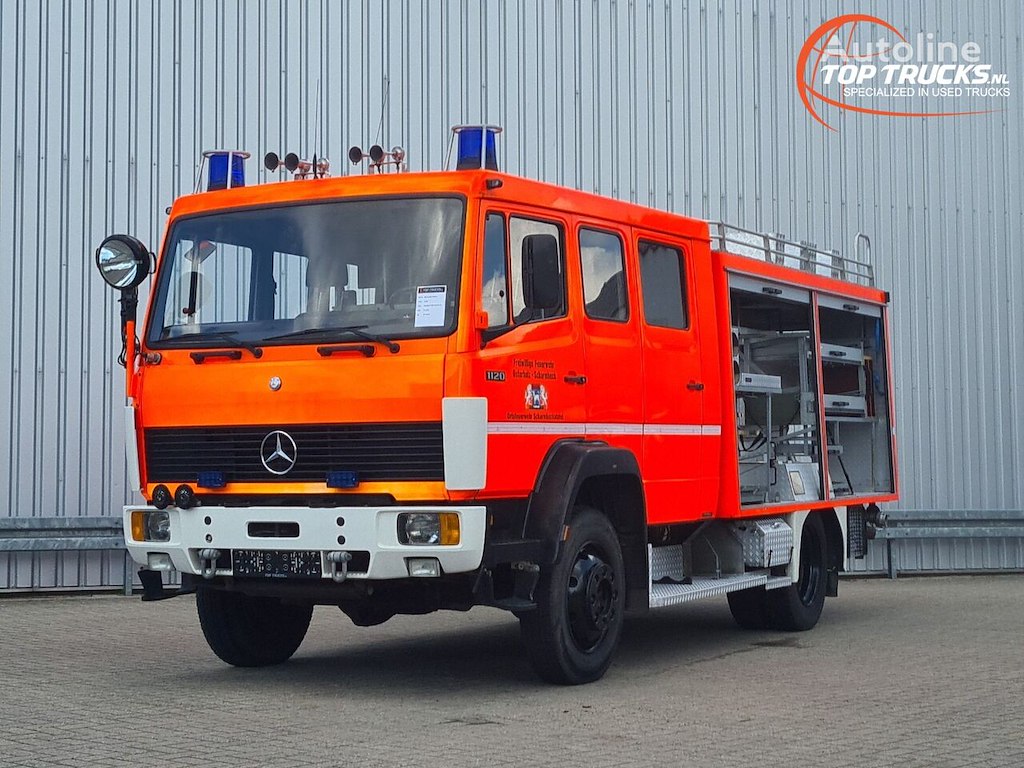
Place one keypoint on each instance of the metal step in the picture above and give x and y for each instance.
(663, 595)
(667, 563)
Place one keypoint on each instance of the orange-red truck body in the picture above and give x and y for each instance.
(665, 395)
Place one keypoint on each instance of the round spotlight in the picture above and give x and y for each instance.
(377, 153)
(184, 497)
(123, 261)
(398, 153)
(161, 497)
(291, 161)
(355, 155)
(271, 161)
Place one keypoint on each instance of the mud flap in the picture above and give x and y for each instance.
(832, 582)
(153, 586)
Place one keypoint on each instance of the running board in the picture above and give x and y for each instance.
(668, 586)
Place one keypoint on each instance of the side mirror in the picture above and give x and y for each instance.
(123, 262)
(542, 280)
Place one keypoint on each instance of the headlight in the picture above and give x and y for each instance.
(151, 526)
(426, 528)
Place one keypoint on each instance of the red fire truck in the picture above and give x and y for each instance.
(401, 392)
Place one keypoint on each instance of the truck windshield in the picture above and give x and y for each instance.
(388, 267)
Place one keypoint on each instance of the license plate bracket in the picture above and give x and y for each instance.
(277, 563)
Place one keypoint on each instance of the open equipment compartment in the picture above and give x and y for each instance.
(855, 393)
(776, 392)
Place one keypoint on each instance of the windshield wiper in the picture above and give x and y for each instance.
(228, 337)
(355, 330)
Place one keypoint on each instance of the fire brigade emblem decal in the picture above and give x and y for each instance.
(278, 452)
(536, 397)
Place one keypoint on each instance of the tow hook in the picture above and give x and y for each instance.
(208, 562)
(336, 559)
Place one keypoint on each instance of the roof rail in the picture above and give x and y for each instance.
(777, 249)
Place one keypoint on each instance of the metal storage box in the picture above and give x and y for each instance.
(766, 543)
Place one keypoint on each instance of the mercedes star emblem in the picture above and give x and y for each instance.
(275, 383)
(278, 452)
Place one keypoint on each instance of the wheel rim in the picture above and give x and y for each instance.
(592, 596)
(810, 566)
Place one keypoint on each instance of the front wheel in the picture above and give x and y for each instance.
(571, 635)
(247, 631)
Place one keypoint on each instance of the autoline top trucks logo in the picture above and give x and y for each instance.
(863, 64)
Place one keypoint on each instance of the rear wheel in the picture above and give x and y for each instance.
(798, 606)
(247, 631)
(749, 608)
(571, 635)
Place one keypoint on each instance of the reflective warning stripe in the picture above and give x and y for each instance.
(580, 428)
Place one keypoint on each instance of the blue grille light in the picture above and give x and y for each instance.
(211, 479)
(342, 480)
(219, 162)
(476, 147)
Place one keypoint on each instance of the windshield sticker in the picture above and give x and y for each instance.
(430, 301)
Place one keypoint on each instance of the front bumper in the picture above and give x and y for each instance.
(362, 529)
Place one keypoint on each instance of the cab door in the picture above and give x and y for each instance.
(611, 337)
(531, 363)
(673, 382)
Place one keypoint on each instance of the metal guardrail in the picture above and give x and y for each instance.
(777, 249)
(902, 524)
(66, 534)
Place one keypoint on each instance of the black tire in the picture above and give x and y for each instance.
(365, 614)
(749, 608)
(247, 631)
(572, 634)
(797, 608)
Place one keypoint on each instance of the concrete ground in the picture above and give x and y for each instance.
(917, 672)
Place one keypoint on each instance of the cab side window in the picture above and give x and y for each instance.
(494, 291)
(516, 248)
(602, 263)
(523, 234)
(663, 283)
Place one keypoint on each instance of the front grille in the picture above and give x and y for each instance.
(374, 452)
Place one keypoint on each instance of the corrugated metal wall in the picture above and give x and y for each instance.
(105, 107)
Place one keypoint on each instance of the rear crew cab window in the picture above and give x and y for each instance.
(603, 265)
(663, 283)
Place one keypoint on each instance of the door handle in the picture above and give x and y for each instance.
(575, 380)
(696, 386)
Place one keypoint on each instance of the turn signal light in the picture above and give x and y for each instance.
(138, 525)
(450, 532)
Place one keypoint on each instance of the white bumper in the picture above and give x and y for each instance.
(365, 529)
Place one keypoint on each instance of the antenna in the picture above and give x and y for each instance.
(383, 106)
(318, 135)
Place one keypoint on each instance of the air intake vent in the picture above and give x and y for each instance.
(374, 452)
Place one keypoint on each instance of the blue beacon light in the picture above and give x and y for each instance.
(476, 147)
(226, 169)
